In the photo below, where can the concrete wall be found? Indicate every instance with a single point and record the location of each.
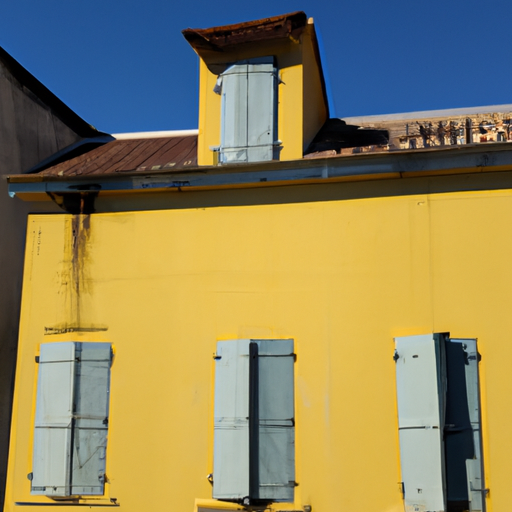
(29, 130)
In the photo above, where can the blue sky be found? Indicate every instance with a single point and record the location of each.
(123, 65)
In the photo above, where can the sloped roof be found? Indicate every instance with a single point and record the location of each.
(228, 37)
(131, 155)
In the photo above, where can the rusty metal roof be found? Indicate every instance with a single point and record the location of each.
(131, 155)
(285, 26)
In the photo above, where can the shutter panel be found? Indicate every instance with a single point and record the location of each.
(473, 466)
(91, 413)
(234, 114)
(231, 421)
(276, 420)
(53, 420)
(249, 108)
(71, 419)
(261, 110)
(420, 391)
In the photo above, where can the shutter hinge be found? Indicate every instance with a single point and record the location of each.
(396, 356)
(477, 357)
(484, 491)
(37, 359)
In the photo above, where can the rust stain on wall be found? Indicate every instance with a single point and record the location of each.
(76, 287)
(67, 328)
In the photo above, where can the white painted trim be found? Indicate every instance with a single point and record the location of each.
(155, 135)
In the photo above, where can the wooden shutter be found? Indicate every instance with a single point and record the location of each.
(91, 417)
(53, 420)
(474, 466)
(249, 111)
(276, 476)
(420, 391)
(231, 421)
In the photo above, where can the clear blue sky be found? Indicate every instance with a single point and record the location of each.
(123, 65)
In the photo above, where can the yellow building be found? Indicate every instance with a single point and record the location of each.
(327, 330)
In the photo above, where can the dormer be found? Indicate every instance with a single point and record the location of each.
(261, 90)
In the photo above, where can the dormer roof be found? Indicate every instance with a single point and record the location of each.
(227, 37)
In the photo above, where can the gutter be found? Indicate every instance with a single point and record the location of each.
(365, 166)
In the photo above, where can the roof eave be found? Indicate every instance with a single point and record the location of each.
(228, 37)
(365, 166)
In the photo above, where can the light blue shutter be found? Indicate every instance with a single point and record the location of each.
(249, 111)
(276, 420)
(53, 420)
(473, 466)
(91, 417)
(261, 110)
(234, 120)
(231, 421)
(254, 450)
(71, 419)
(420, 392)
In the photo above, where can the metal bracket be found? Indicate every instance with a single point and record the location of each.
(485, 491)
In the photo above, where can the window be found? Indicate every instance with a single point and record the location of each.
(71, 420)
(439, 423)
(248, 111)
(254, 427)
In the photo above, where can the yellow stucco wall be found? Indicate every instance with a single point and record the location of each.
(209, 116)
(341, 277)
